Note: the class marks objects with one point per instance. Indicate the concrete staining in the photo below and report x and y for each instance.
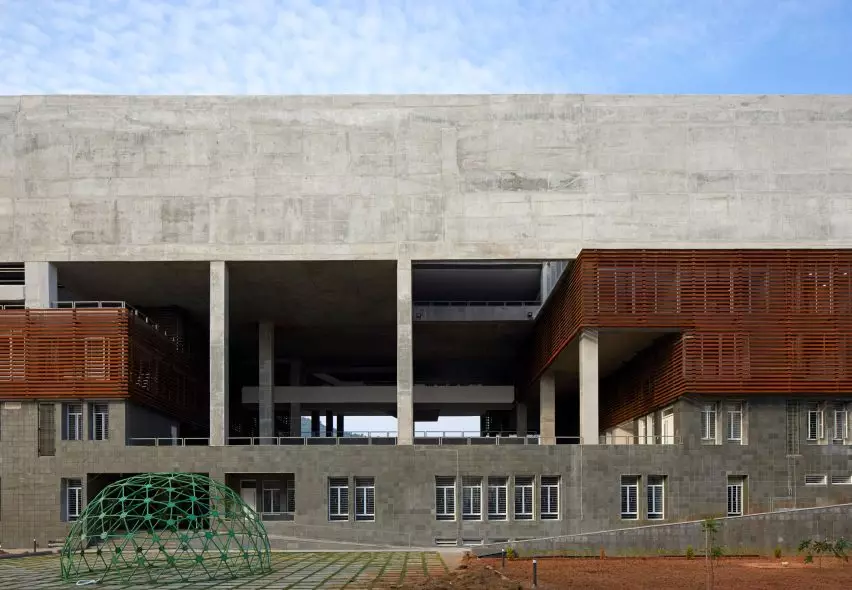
(418, 177)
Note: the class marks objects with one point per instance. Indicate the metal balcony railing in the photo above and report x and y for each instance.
(630, 439)
(477, 303)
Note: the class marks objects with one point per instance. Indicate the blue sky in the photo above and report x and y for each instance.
(446, 46)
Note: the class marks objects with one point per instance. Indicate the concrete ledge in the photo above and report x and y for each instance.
(750, 534)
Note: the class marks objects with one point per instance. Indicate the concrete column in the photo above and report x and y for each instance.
(547, 408)
(219, 422)
(295, 419)
(295, 408)
(589, 418)
(315, 423)
(340, 429)
(329, 424)
(404, 355)
(521, 418)
(266, 378)
(40, 290)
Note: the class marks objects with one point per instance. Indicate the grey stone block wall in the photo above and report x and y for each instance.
(696, 477)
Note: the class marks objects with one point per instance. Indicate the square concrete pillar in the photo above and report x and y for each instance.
(547, 408)
(219, 401)
(315, 423)
(295, 419)
(404, 355)
(521, 418)
(266, 378)
(40, 285)
(340, 430)
(589, 418)
(329, 424)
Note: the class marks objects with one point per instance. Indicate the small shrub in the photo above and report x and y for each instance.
(777, 553)
(690, 552)
(717, 551)
(511, 553)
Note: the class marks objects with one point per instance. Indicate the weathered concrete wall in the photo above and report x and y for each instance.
(737, 535)
(245, 178)
(696, 478)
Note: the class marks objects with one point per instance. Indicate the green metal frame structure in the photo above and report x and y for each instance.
(165, 527)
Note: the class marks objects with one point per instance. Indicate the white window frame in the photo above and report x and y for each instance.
(708, 429)
(549, 497)
(667, 436)
(100, 420)
(445, 498)
(273, 490)
(735, 492)
(816, 424)
(365, 498)
(629, 497)
(641, 433)
(74, 418)
(841, 480)
(816, 479)
(656, 491)
(73, 499)
(471, 498)
(841, 424)
(524, 497)
(735, 417)
(498, 498)
(338, 499)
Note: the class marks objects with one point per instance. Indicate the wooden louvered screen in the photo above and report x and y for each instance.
(102, 353)
(752, 321)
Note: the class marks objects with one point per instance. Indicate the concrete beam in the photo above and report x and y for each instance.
(40, 290)
(219, 421)
(404, 355)
(547, 408)
(485, 395)
(266, 377)
(589, 412)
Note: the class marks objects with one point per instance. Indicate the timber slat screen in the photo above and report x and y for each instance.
(87, 354)
(750, 321)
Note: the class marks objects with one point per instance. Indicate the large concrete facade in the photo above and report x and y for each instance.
(418, 177)
(223, 180)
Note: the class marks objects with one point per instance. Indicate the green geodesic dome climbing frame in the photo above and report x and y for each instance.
(165, 527)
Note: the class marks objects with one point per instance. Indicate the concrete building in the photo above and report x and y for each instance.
(647, 302)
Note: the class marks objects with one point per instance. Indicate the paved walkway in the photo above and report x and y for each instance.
(308, 571)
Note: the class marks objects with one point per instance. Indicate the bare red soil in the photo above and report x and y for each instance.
(658, 573)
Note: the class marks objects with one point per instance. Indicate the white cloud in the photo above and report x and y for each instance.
(380, 46)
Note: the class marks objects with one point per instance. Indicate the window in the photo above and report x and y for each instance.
(497, 498)
(641, 431)
(708, 422)
(667, 424)
(840, 424)
(73, 498)
(445, 498)
(815, 425)
(365, 498)
(816, 480)
(338, 498)
(46, 431)
(272, 497)
(629, 497)
(736, 485)
(793, 427)
(72, 422)
(735, 422)
(524, 497)
(100, 422)
(549, 497)
(656, 497)
(841, 480)
(471, 498)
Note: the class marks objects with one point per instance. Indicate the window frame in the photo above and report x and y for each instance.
(365, 487)
(667, 423)
(628, 483)
(496, 485)
(734, 413)
(73, 515)
(708, 434)
(67, 414)
(93, 424)
(445, 498)
(737, 485)
(549, 485)
(819, 425)
(471, 486)
(656, 492)
(525, 509)
(338, 499)
(844, 429)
